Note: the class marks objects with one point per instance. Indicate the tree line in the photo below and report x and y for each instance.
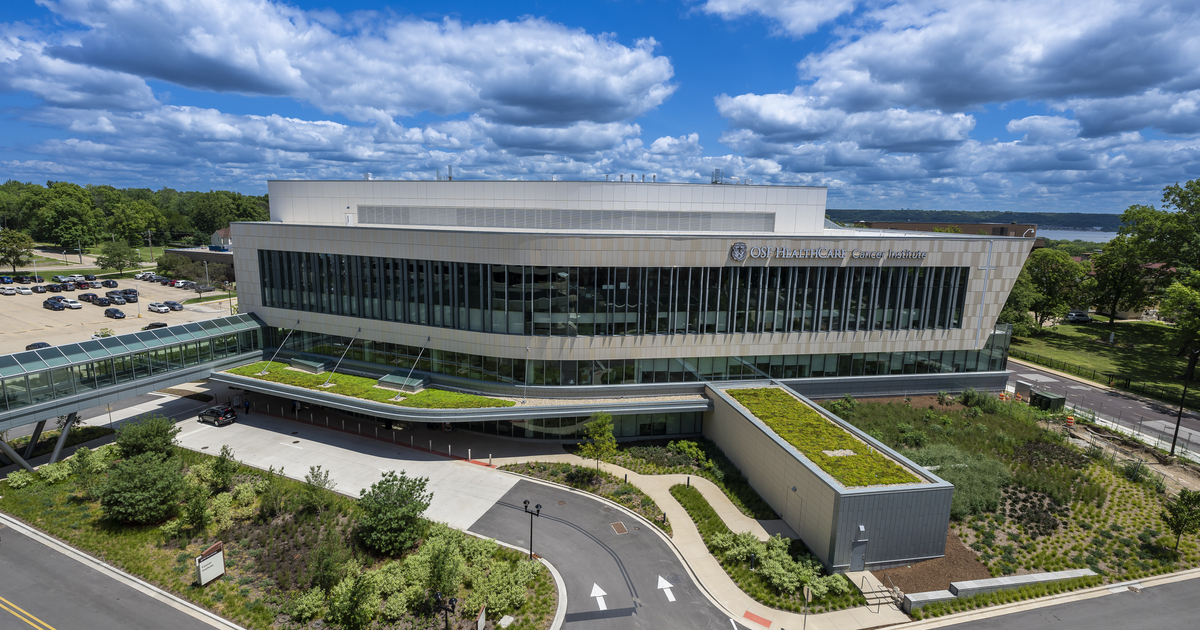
(1154, 259)
(1044, 220)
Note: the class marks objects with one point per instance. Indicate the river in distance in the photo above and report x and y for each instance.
(1078, 235)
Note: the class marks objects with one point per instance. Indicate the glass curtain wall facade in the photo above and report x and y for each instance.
(390, 356)
(37, 376)
(612, 301)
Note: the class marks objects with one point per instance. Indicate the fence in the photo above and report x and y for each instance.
(1126, 383)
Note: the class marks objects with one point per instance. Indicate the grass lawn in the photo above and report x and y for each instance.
(212, 297)
(596, 482)
(812, 435)
(267, 553)
(753, 583)
(1142, 353)
(45, 444)
(145, 251)
(364, 388)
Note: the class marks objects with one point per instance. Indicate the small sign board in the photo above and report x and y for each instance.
(210, 564)
(481, 621)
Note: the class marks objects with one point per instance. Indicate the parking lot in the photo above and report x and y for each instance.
(23, 320)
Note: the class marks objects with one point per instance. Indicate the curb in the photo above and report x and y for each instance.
(560, 614)
(85, 558)
(661, 534)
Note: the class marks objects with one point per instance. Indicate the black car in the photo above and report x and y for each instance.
(37, 345)
(109, 284)
(129, 291)
(70, 286)
(219, 415)
(174, 306)
(86, 297)
(37, 279)
(130, 298)
(37, 288)
(153, 325)
(89, 277)
(114, 313)
(22, 279)
(117, 300)
(53, 305)
(54, 288)
(165, 281)
(101, 301)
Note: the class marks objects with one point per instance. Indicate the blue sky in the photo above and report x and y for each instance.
(1036, 105)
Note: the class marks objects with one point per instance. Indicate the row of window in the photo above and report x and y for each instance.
(610, 301)
(640, 425)
(625, 371)
(38, 387)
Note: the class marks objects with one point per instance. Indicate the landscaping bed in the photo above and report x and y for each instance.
(783, 566)
(817, 437)
(364, 388)
(960, 564)
(46, 442)
(698, 457)
(1026, 500)
(296, 553)
(1024, 593)
(599, 483)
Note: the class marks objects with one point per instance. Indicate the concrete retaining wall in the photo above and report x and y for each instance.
(974, 587)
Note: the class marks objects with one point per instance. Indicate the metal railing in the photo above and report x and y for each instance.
(1126, 383)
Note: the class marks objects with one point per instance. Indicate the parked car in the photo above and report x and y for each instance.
(22, 279)
(1078, 317)
(114, 313)
(37, 288)
(130, 291)
(156, 307)
(6, 280)
(85, 285)
(37, 345)
(53, 305)
(102, 301)
(131, 298)
(7, 291)
(219, 415)
(86, 297)
(68, 286)
(54, 288)
(116, 300)
(76, 278)
(24, 291)
(89, 277)
(37, 279)
(59, 279)
(142, 274)
(57, 298)
(71, 304)
(174, 306)
(109, 284)
(204, 289)
(165, 281)
(153, 325)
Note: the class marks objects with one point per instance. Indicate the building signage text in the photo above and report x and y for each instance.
(740, 252)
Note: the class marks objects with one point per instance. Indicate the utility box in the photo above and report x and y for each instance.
(1023, 389)
(1047, 401)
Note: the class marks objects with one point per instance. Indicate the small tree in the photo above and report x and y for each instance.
(1182, 514)
(87, 469)
(224, 468)
(601, 443)
(195, 507)
(326, 562)
(317, 486)
(392, 508)
(170, 264)
(118, 255)
(16, 249)
(274, 497)
(149, 434)
(142, 489)
(355, 601)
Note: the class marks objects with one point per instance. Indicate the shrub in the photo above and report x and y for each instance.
(172, 529)
(55, 473)
(307, 606)
(222, 511)
(21, 478)
(325, 565)
(390, 578)
(439, 564)
(87, 466)
(274, 493)
(977, 479)
(195, 507)
(501, 586)
(224, 467)
(391, 513)
(354, 602)
(317, 486)
(148, 434)
(142, 489)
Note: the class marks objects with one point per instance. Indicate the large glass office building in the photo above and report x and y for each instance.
(585, 290)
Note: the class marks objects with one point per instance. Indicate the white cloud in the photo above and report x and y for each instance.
(795, 17)
(1173, 113)
(683, 145)
(1044, 129)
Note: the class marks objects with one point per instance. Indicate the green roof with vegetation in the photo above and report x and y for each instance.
(364, 388)
(812, 434)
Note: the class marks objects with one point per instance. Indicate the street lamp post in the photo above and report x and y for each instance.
(532, 514)
(1179, 417)
(445, 609)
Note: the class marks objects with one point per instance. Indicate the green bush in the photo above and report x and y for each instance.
(88, 468)
(224, 467)
(148, 434)
(142, 489)
(195, 507)
(391, 519)
(354, 602)
(327, 562)
(55, 473)
(222, 511)
(977, 479)
(22, 478)
(389, 578)
(307, 606)
(439, 564)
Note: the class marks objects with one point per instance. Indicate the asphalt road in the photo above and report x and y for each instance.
(44, 589)
(1148, 416)
(1166, 607)
(575, 534)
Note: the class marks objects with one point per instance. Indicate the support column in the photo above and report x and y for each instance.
(62, 437)
(37, 435)
(8, 450)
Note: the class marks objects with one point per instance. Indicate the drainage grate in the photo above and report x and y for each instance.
(620, 528)
(562, 502)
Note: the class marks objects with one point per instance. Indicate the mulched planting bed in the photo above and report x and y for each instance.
(959, 564)
(598, 483)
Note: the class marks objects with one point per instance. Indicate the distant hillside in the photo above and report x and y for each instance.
(1044, 220)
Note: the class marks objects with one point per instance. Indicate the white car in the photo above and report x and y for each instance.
(76, 278)
(158, 308)
(69, 303)
(24, 291)
(7, 291)
(143, 275)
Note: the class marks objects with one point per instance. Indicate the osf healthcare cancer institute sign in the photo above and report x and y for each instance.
(210, 565)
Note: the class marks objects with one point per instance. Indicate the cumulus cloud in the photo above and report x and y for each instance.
(1044, 129)
(370, 66)
(1173, 113)
(683, 145)
(795, 17)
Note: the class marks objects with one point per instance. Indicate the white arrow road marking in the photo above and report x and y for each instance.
(599, 594)
(666, 586)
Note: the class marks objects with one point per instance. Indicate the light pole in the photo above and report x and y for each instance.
(532, 514)
(525, 380)
(1186, 378)
(438, 606)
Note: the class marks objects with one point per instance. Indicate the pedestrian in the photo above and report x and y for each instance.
(246, 406)
(295, 406)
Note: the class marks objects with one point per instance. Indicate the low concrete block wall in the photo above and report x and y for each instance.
(913, 601)
(974, 587)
